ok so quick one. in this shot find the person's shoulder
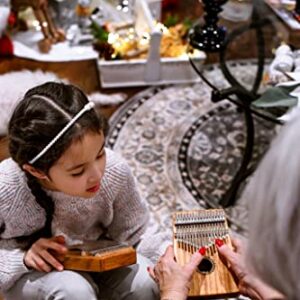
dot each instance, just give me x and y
(114, 160)
(116, 165)
(12, 178)
(9, 169)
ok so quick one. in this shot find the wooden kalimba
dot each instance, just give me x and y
(193, 230)
(98, 257)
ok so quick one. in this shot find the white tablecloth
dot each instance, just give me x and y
(26, 46)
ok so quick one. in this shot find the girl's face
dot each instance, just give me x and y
(79, 170)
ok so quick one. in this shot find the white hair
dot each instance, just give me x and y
(274, 199)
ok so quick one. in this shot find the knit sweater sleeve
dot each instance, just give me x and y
(12, 266)
(19, 216)
(130, 214)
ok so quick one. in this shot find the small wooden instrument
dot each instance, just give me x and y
(193, 230)
(98, 257)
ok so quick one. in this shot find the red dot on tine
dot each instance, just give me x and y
(202, 250)
(219, 242)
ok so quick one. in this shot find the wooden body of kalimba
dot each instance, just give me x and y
(193, 230)
(89, 258)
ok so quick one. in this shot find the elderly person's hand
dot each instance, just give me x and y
(249, 284)
(173, 279)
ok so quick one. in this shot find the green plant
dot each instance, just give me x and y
(99, 32)
(278, 99)
(171, 20)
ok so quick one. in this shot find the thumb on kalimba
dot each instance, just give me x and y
(192, 265)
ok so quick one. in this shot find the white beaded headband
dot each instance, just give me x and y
(86, 108)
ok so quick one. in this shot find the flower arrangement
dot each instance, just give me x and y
(124, 43)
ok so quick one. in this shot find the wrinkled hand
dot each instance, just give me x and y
(40, 256)
(249, 284)
(173, 279)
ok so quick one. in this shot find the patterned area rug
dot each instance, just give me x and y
(184, 150)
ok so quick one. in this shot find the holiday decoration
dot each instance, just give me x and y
(7, 21)
(51, 33)
(169, 4)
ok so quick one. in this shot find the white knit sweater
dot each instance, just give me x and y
(115, 211)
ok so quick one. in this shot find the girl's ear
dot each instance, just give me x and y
(34, 172)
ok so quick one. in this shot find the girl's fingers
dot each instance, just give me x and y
(40, 265)
(50, 260)
(39, 256)
(29, 263)
(59, 239)
(59, 248)
(45, 244)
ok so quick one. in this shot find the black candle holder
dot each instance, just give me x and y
(297, 7)
(209, 37)
(296, 12)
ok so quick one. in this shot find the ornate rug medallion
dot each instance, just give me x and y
(184, 150)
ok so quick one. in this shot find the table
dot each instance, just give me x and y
(286, 25)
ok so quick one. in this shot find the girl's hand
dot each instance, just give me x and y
(173, 279)
(39, 257)
(249, 284)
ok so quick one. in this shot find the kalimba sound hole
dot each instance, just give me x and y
(206, 265)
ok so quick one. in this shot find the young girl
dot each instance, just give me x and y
(60, 187)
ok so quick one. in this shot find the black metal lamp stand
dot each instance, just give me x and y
(200, 39)
(296, 11)
(297, 8)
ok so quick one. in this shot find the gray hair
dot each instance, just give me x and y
(274, 198)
